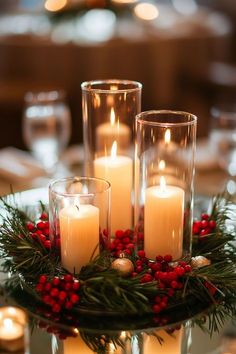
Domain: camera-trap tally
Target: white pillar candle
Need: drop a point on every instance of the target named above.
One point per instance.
(79, 233)
(107, 132)
(118, 170)
(171, 344)
(163, 220)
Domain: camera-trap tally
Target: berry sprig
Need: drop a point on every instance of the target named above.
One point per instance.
(205, 226)
(59, 293)
(39, 230)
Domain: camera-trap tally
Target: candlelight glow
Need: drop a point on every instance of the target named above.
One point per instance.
(162, 183)
(114, 150)
(167, 136)
(55, 5)
(112, 117)
(162, 165)
(146, 11)
(8, 323)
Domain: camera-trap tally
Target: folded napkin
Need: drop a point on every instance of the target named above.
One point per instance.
(19, 166)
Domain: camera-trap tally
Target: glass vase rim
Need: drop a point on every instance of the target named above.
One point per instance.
(16, 312)
(44, 96)
(85, 86)
(66, 194)
(141, 118)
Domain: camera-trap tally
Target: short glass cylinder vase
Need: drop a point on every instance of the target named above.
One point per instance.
(164, 173)
(79, 215)
(109, 110)
(14, 331)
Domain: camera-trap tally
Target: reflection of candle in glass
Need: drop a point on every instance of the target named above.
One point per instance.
(118, 171)
(171, 344)
(10, 330)
(79, 233)
(75, 346)
(106, 133)
(13, 330)
(163, 220)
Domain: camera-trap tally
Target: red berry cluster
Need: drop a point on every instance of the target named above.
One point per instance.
(168, 275)
(123, 242)
(58, 292)
(39, 231)
(205, 226)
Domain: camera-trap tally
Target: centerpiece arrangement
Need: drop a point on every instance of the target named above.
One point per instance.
(84, 274)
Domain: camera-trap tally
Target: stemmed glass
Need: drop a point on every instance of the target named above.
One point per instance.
(46, 127)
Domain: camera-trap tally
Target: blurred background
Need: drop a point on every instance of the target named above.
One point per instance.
(182, 51)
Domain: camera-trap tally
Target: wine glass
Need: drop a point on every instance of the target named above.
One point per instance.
(46, 127)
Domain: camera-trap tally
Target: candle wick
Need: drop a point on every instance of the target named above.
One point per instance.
(77, 207)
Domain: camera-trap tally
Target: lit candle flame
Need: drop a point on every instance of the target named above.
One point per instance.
(8, 323)
(162, 183)
(162, 165)
(114, 150)
(146, 11)
(112, 117)
(167, 136)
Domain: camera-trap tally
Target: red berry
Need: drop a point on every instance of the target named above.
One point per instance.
(40, 225)
(139, 262)
(56, 308)
(139, 269)
(157, 299)
(212, 224)
(74, 298)
(56, 281)
(119, 233)
(182, 263)
(47, 244)
(67, 286)
(68, 278)
(196, 230)
(54, 292)
(68, 305)
(46, 232)
(46, 299)
(140, 236)
(44, 216)
(204, 232)
(172, 276)
(168, 258)
(76, 285)
(170, 292)
(62, 295)
(42, 279)
(120, 246)
(34, 235)
(204, 216)
(126, 240)
(146, 278)
(133, 274)
(47, 286)
(156, 308)
(130, 246)
(128, 232)
(141, 254)
(42, 238)
(204, 224)
(127, 251)
(179, 271)
(155, 267)
(163, 305)
(188, 268)
(159, 258)
(157, 275)
(30, 226)
(174, 284)
(39, 288)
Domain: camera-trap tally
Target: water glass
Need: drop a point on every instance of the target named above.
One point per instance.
(223, 137)
(46, 126)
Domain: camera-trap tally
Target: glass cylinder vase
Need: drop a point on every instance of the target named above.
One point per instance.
(109, 110)
(79, 214)
(164, 171)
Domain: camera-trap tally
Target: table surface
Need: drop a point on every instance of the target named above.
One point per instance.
(207, 183)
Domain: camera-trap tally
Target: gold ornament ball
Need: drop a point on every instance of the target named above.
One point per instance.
(123, 265)
(200, 261)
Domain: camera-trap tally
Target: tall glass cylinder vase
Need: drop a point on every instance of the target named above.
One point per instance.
(79, 213)
(109, 110)
(164, 171)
